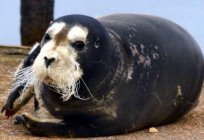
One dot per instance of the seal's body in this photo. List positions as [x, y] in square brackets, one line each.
[134, 71]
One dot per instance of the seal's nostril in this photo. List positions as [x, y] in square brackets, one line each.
[48, 61]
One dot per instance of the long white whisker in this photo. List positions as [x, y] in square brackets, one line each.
[49, 86]
[88, 89]
[67, 85]
[24, 77]
[77, 87]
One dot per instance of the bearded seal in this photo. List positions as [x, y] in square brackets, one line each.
[107, 76]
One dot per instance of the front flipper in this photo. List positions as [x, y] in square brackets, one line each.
[10, 106]
[54, 127]
[42, 127]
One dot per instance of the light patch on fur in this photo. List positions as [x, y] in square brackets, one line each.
[41, 120]
[147, 61]
[155, 56]
[96, 44]
[77, 33]
[141, 59]
[55, 28]
[133, 48]
[142, 48]
[130, 72]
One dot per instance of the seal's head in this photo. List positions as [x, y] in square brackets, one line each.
[73, 46]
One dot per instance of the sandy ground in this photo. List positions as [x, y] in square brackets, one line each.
[190, 127]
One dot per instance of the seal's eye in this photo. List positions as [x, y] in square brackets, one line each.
[78, 45]
[47, 37]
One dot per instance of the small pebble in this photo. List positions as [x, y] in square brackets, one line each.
[153, 130]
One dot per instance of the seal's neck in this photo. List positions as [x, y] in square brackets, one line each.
[118, 73]
[120, 69]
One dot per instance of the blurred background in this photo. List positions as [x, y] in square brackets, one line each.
[22, 22]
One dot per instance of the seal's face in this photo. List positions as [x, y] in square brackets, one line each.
[57, 63]
[73, 46]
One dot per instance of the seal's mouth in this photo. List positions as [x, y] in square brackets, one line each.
[48, 80]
